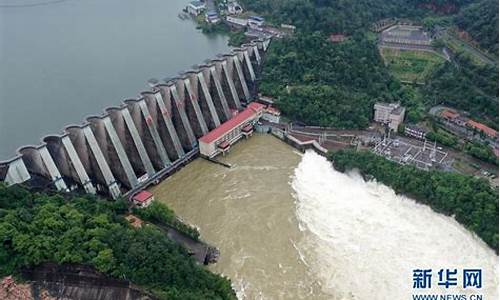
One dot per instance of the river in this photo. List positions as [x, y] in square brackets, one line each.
[65, 60]
[290, 227]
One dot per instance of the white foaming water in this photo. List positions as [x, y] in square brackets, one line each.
[366, 240]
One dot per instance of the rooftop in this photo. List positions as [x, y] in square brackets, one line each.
[197, 4]
[227, 126]
[450, 114]
[487, 130]
[257, 18]
[142, 196]
[392, 105]
[414, 127]
[336, 37]
[273, 111]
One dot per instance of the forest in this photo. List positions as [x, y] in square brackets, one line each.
[335, 84]
[480, 20]
[37, 228]
[466, 86]
[346, 16]
[326, 84]
[471, 201]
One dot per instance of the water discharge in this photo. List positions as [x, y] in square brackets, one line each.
[290, 227]
[366, 240]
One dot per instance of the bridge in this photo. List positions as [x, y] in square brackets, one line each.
[145, 138]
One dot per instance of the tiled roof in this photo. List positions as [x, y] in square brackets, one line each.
[251, 110]
[487, 130]
[142, 196]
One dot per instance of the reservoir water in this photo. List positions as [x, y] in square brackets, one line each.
[68, 59]
[290, 227]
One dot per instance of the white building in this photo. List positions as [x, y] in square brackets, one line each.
[237, 22]
[415, 132]
[196, 7]
[143, 199]
[391, 114]
[272, 115]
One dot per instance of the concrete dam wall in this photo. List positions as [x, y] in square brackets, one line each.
[131, 145]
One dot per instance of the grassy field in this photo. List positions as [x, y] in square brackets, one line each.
[409, 65]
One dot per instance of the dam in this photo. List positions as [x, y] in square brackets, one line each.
[146, 138]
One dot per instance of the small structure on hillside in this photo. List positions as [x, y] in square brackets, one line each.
[288, 27]
[337, 38]
[143, 199]
[391, 114]
[134, 221]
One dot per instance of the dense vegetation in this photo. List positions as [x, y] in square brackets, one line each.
[481, 151]
[326, 84]
[345, 16]
[37, 228]
[443, 137]
[471, 201]
[480, 20]
[466, 86]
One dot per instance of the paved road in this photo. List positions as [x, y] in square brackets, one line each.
[467, 47]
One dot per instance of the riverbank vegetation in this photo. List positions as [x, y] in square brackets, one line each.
[37, 228]
[160, 214]
[471, 201]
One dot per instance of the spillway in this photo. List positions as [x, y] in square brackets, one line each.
[145, 138]
[364, 240]
[291, 227]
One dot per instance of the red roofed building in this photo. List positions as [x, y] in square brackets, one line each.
[336, 38]
[221, 138]
[449, 115]
[453, 117]
[490, 132]
[143, 199]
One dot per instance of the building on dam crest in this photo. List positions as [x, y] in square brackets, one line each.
[221, 138]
